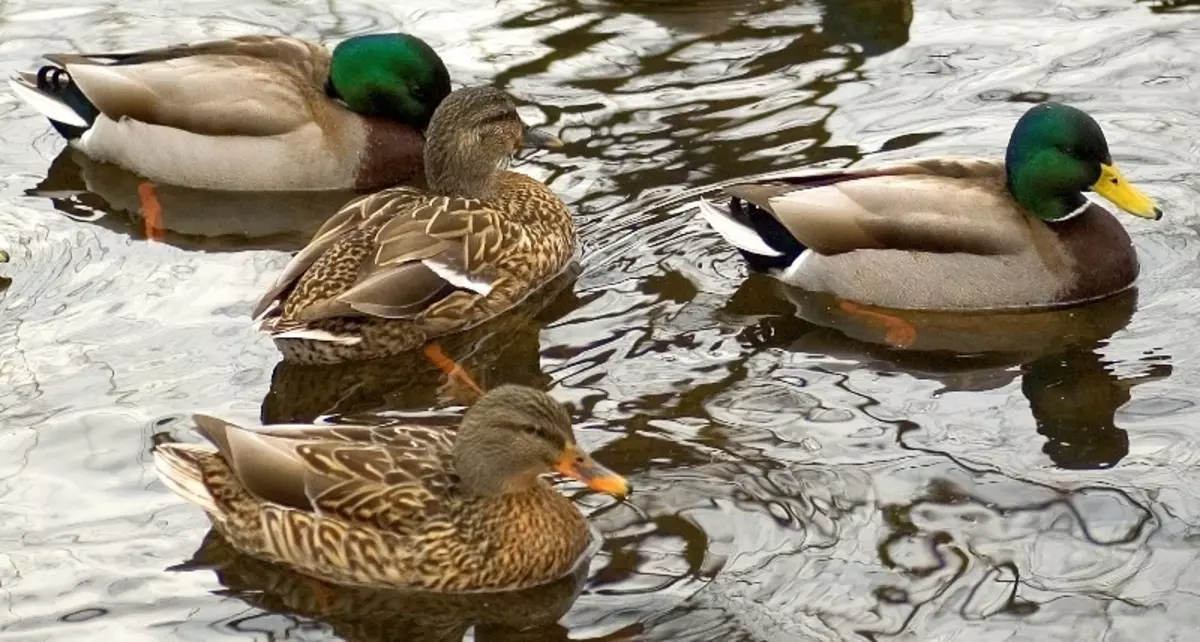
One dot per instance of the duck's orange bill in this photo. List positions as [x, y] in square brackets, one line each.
[579, 465]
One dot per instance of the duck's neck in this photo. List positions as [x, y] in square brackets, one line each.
[450, 171]
[482, 482]
[1056, 209]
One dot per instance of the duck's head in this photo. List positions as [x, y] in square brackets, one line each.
[473, 135]
[392, 75]
[513, 434]
[1056, 153]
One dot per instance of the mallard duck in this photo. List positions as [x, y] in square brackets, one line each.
[258, 113]
[395, 269]
[419, 507]
[262, 113]
[950, 234]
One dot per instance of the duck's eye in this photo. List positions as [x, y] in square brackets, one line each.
[530, 430]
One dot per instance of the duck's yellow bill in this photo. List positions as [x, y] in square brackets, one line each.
[1121, 193]
[579, 465]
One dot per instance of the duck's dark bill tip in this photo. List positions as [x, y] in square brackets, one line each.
[542, 139]
[1158, 213]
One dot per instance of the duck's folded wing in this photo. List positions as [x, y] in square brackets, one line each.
[395, 488]
[355, 214]
[935, 206]
[251, 86]
[436, 255]
[379, 475]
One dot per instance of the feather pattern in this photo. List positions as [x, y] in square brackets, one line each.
[401, 266]
[375, 506]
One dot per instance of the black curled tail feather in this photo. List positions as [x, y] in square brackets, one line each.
[771, 231]
[57, 82]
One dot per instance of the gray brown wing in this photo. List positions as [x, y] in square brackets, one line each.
[383, 476]
[359, 212]
[394, 485]
[431, 252]
[941, 205]
[247, 86]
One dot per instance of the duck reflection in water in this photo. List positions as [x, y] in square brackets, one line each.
[1073, 391]
[1075, 397]
[877, 26]
[376, 615]
[108, 196]
[830, 39]
[505, 350]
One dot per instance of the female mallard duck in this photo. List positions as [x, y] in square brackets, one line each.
[395, 269]
[950, 234]
[400, 506]
[262, 113]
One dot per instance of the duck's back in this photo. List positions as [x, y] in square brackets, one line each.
[548, 228]
[943, 234]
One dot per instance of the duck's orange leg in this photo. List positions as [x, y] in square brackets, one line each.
[151, 211]
[897, 332]
[453, 371]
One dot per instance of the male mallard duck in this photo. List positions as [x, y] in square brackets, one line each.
[950, 234]
[392, 270]
[261, 113]
[400, 506]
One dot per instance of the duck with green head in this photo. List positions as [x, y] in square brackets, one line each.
[252, 113]
[262, 113]
[950, 234]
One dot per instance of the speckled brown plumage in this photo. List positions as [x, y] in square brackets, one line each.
[399, 506]
[392, 270]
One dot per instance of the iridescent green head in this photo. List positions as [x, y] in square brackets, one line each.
[393, 75]
[1058, 152]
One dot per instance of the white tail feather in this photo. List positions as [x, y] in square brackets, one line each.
[179, 473]
[735, 232]
[46, 104]
[458, 278]
[312, 334]
[275, 305]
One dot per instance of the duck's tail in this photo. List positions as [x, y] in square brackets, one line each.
[178, 466]
[762, 240]
[51, 91]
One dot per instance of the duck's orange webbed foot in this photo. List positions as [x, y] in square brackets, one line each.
[151, 211]
[897, 332]
[454, 372]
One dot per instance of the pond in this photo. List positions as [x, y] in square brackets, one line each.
[796, 476]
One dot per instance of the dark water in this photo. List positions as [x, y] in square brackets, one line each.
[1021, 478]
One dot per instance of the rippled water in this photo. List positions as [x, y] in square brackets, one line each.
[1025, 478]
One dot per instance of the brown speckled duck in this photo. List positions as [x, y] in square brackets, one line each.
[400, 506]
[396, 269]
